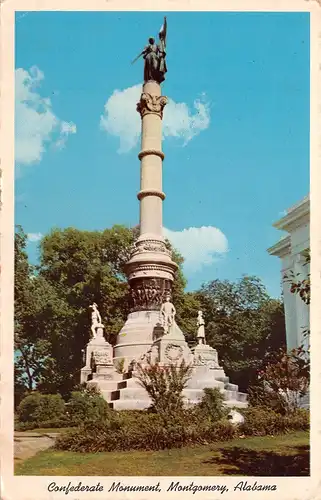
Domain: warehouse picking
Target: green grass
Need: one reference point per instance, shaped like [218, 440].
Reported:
[285, 455]
[50, 430]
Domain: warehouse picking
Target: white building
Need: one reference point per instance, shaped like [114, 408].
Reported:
[291, 249]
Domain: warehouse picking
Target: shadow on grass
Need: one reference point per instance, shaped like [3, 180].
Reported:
[248, 462]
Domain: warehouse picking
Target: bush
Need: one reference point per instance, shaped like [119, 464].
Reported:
[261, 396]
[87, 405]
[164, 385]
[55, 423]
[263, 421]
[144, 431]
[286, 378]
[37, 407]
[212, 404]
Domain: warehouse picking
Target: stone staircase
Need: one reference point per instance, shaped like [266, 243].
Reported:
[127, 394]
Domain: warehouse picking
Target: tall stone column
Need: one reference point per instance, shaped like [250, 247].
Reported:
[150, 269]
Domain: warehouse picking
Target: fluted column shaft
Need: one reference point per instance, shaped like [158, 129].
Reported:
[151, 195]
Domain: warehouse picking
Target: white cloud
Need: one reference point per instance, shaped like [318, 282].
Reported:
[200, 246]
[36, 125]
[33, 237]
[121, 119]
[66, 128]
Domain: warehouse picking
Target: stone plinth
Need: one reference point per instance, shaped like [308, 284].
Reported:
[172, 347]
[99, 363]
[205, 355]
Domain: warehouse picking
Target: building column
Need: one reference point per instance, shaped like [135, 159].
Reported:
[302, 309]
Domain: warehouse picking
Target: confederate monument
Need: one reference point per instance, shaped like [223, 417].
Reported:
[151, 332]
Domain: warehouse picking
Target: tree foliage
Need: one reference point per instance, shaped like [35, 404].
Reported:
[244, 324]
[51, 310]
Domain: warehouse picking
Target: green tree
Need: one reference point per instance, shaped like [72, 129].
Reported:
[30, 295]
[186, 303]
[244, 324]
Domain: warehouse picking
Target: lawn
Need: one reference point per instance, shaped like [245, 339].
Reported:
[50, 430]
[286, 455]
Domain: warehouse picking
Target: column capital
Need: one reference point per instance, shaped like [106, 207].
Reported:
[151, 104]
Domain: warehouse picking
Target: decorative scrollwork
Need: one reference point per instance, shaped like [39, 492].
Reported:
[150, 246]
[151, 104]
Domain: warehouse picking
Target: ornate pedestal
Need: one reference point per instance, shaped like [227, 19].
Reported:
[98, 359]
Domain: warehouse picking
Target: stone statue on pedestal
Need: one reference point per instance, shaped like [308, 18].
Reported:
[167, 314]
[154, 56]
[201, 328]
[150, 54]
[95, 319]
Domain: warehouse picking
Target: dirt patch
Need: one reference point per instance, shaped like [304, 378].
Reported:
[27, 444]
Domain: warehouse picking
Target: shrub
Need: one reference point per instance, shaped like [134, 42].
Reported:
[144, 431]
[212, 404]
[54, 423]
[263, 421]
[286, 379]
[164, 385]
[261, 396]
[87, 405]
[28, 407]
[36, 408]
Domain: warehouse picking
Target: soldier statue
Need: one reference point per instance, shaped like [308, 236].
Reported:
[154, 57]
[95, 319]
[201, 328]
[167, 313]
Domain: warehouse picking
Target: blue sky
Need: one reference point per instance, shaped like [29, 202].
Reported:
[237, 130]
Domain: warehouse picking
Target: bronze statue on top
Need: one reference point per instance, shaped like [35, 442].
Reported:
[155, 57]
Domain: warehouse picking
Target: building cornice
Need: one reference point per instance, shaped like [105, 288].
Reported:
[281, 248]
[296, 216]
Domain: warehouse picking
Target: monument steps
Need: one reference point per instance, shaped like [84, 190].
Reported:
[242, 396]
[128, 393]
[106, 394]
[228, 395]
[143, 404]
[201, 384]
[129, 404]
[233, 403]
[231, 387]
